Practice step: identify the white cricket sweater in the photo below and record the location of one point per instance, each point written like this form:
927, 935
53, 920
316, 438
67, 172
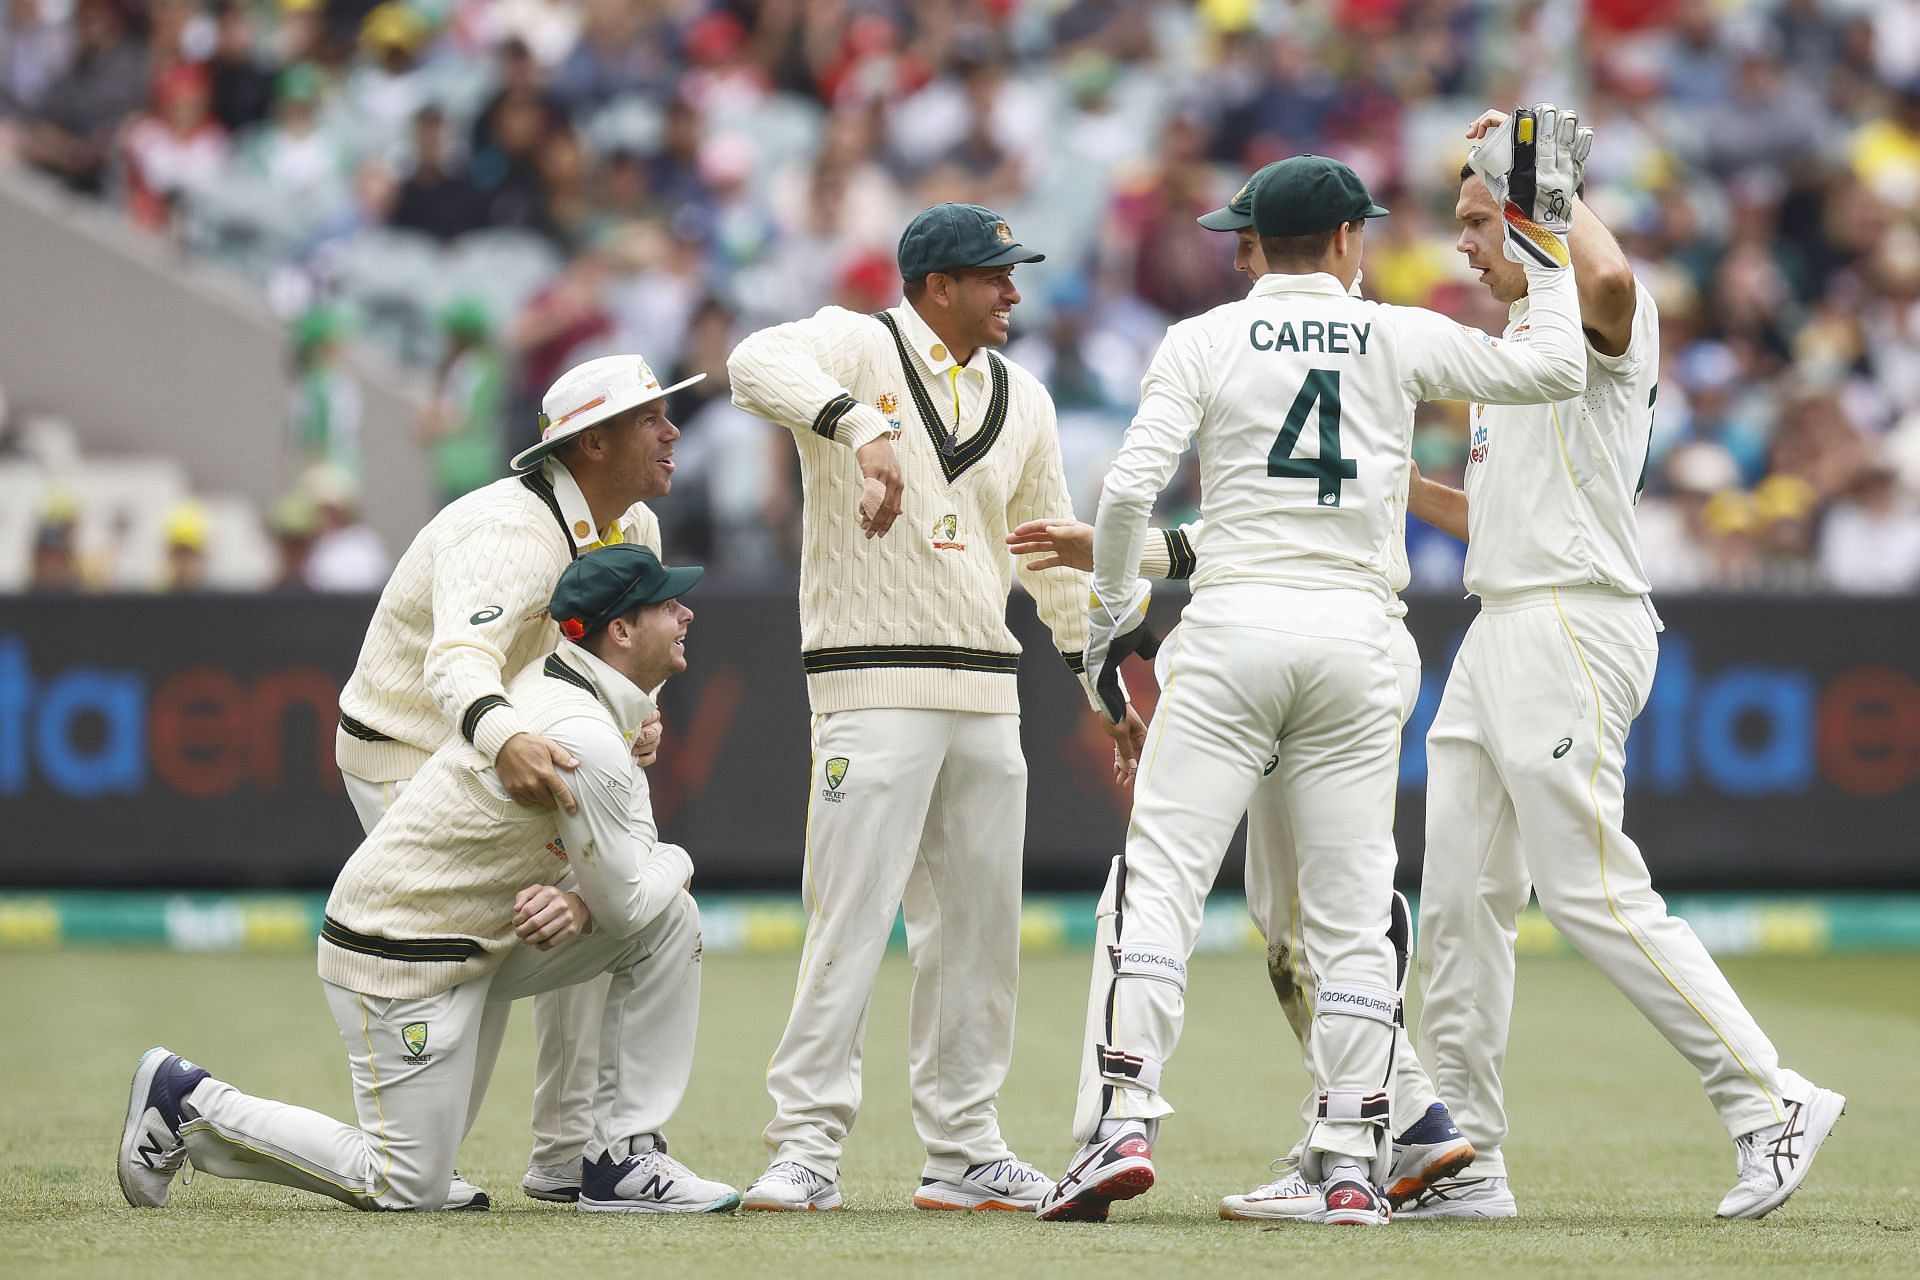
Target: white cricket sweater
466, 605
917, 618
426, 902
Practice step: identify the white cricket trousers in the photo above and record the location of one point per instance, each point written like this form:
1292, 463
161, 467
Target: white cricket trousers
1272, 875
1525, 790
415, 1080
1259, 677
566, 1031
926, 809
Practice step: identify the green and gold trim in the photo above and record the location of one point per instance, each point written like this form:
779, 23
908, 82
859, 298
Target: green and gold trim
471, 720
949, 657
411, 950
561, 671
955, 456
364, 732
827, 421
1181, 560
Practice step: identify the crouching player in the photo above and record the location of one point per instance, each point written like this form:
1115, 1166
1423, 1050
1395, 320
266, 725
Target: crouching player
447, 908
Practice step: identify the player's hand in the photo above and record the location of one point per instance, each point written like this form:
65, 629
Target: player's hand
1128, 736
1112, 634
1532, 163
646, 743
1489, 121
1061, 544
879, 462
529, 768
545, 917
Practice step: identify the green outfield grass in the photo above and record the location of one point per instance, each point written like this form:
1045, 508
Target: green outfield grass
1617, 1159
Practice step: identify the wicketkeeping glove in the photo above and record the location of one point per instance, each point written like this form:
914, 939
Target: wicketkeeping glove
1111, 637
1532, 165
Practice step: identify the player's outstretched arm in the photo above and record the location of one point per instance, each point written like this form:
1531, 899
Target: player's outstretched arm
1068, 544
1442, 506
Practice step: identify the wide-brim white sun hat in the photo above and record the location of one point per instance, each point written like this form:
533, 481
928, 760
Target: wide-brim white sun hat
587, 395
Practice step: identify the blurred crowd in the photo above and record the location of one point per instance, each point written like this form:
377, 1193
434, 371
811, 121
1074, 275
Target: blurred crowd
495, 189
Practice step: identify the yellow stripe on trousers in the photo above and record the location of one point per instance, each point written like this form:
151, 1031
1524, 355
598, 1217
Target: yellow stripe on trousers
1600, 848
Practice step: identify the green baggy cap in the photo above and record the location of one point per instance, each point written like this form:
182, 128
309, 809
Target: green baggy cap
606, 582
959, 235
1237, 213
1306, 194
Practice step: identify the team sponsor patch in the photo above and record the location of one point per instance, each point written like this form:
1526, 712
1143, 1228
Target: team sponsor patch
1478, 452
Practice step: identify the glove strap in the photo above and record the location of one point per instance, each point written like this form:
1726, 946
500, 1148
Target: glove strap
1539, 244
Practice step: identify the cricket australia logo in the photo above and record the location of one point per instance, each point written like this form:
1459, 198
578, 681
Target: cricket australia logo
414, 1037
836, 774
946, 533
1003, 233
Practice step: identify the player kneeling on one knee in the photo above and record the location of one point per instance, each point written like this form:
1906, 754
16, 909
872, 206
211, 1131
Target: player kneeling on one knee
442, 919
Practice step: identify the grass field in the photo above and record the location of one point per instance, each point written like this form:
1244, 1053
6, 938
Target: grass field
1617, 1160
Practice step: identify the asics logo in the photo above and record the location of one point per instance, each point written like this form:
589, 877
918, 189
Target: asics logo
1562, 747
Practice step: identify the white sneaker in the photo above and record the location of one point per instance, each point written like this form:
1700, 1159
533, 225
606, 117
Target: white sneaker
1119, 1167
1774, 1161
650, 1182
463, 1195
1288, 1198
792, 1188
1462, 1198
559, 1183
151, 1148
998, 1184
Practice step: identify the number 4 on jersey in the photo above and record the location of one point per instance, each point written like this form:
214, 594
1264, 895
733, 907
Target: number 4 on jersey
1322, 386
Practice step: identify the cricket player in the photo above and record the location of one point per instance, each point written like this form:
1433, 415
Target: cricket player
453, 906
1427, 1147
1283, 654
1524, 759
466, 608
918, 787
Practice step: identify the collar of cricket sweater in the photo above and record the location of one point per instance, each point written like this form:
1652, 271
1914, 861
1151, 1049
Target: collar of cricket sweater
627, 701
1315, 282
574, 511
925, 343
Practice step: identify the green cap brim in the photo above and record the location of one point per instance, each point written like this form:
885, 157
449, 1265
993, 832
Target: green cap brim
678, 582
1225, 219
1375, 211
1009, 256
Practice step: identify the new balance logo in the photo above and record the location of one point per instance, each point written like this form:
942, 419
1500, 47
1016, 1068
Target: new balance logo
148, 1150
656, 1188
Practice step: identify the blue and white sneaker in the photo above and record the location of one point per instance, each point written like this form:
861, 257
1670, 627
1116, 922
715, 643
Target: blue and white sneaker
1008, 1184
1430, 1151
1463, 1198
463, 1196
151, 1148
650, 1181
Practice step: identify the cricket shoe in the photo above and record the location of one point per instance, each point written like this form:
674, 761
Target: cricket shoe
1288, 1198
559, 1183
1462, 1198
1118, 1167
151, 1148
1355, 1202
1774, 1161
463, 1195
998, 1184
1432, 1149
790, 1187
650, 1181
